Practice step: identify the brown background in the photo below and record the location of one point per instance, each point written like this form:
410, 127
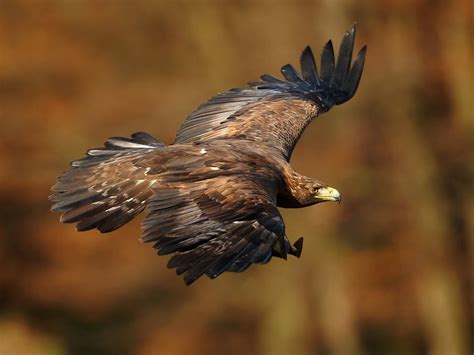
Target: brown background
386, 272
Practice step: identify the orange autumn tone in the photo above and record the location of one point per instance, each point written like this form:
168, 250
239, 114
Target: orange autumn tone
386, 271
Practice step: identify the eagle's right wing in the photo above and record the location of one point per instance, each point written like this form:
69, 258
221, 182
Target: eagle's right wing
275, 112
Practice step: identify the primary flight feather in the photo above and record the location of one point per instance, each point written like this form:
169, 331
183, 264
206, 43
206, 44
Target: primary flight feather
212, 196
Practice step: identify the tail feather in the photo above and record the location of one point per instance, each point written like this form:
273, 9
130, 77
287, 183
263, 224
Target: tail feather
108, 187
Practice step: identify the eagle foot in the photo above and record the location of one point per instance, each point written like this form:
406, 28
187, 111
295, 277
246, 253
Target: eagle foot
296, 248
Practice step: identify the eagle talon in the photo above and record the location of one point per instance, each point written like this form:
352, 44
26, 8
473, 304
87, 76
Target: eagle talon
297, 248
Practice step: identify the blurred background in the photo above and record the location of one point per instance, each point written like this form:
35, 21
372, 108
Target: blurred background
389, 271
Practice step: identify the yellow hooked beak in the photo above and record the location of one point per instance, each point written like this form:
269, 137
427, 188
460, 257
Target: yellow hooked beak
328, 194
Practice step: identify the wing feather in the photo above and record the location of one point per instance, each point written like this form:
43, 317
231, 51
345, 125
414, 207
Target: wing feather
108, 187
327, 62
227, 222
344, 58
275, 112
290, 73
353, 79
308, 66
205, 210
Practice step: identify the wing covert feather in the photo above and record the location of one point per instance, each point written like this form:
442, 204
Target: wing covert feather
275, 112
220, 224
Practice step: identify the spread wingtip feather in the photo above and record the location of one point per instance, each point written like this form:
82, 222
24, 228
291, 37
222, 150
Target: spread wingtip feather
337, 80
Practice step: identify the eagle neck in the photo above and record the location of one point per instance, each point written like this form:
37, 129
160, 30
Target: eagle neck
293, 190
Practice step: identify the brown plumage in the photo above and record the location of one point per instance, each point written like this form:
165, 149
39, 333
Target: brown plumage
212, 196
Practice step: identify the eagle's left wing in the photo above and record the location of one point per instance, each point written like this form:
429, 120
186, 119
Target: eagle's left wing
225, 223
275, 112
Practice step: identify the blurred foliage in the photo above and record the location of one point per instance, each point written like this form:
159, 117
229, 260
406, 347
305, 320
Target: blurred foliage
387, 272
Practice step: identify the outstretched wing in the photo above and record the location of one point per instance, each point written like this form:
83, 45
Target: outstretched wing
221, 224
276, 112
108, 187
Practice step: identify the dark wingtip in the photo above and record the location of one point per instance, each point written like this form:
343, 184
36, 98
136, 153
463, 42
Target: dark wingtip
290, 73
307, 52
327, 62
308, 66
344, 58
189, 280
270, 79
335, 83
353, 28
346, 76
353, 79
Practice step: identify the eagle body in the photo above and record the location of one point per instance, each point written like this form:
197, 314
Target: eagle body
213, 196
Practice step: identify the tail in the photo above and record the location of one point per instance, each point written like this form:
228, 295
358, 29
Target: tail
108, 187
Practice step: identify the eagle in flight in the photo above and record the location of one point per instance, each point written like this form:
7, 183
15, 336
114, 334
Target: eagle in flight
213, 195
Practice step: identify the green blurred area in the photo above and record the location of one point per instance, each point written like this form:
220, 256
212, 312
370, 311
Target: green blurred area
389, 271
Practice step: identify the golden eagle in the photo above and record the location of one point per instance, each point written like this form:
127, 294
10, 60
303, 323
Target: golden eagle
212, 196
